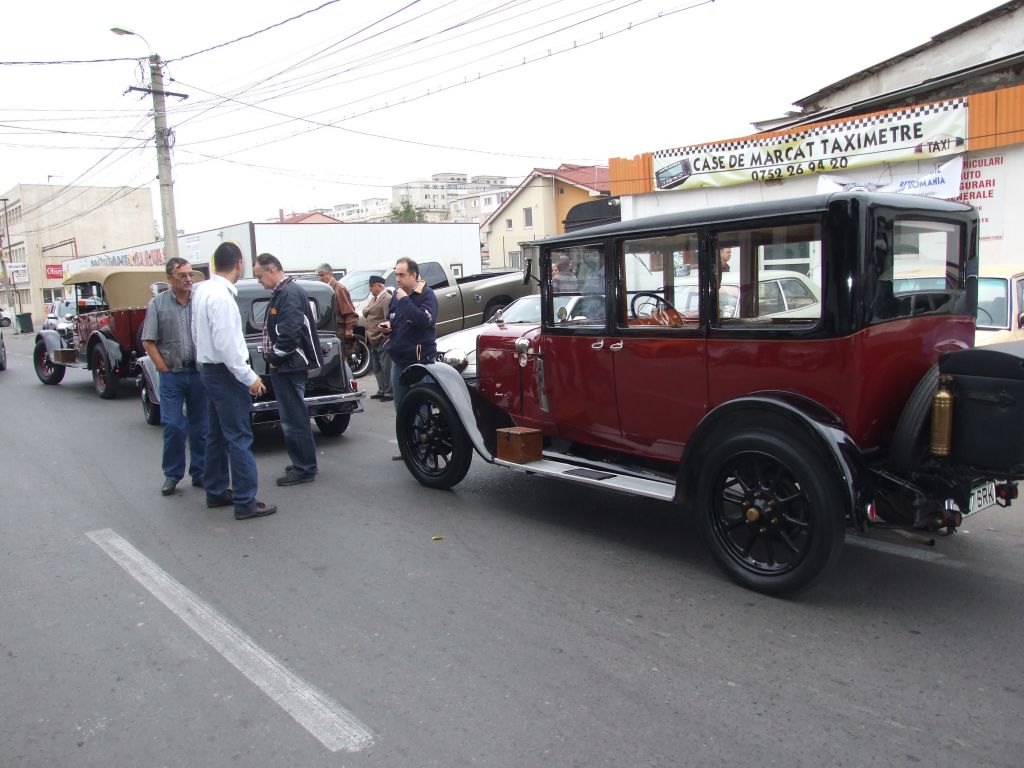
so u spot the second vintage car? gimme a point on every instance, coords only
(332, 395)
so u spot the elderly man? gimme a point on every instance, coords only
(230, 382)
(348, 318)
(291, 347)
(167, 339)
(375, 312)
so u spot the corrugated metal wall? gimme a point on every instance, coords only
(631, 177)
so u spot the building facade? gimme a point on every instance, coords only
(46, 225)
(371, 210)
(434, 196)
(944, 119)
(537, 208)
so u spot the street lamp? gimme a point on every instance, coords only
(163, 147)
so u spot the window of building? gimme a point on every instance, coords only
(51, 295)
(508, 224)
(528, 217)
(488, 200)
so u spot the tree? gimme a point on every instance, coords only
(406, 214)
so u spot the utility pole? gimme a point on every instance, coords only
(5, 256)
(163, 158)
(163, 143)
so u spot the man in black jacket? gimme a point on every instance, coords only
(291, 347)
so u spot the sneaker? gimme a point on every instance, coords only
(220, 501)
(259, 509)
(294, 478)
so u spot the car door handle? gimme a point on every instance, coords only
(616, 346)
(598, 344)
(450, 295)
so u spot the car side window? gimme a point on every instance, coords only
(433, 274)
(577, 287)
(770, 275)
(658, 282)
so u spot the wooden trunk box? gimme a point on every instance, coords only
(519, 444)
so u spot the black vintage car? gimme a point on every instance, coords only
(331, 392)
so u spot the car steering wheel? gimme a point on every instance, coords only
(663, 311)
(988, 314)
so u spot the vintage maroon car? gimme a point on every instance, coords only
(780, 421)
(103, 335)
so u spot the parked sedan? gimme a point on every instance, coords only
(454, 348)
(6, 317)
(1000, 307)
(3, 353)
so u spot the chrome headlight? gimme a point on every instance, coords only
(62, 326)
(456, 358)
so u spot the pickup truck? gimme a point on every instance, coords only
(462, 302)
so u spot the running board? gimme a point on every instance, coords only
(652, 489)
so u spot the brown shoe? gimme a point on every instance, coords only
(259, 509)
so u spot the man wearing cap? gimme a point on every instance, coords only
(167, 339)
(348, 318)
(375, 312)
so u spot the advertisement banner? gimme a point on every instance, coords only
(912, 133)
(943, 182)
(54, 271)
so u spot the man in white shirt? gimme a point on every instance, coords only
(230, 381)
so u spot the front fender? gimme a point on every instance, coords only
(151, 375)
(458, 393)
(117, 359)
(52, 339)
(806, 418)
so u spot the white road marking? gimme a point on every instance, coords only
(897, 549)
(329, 722)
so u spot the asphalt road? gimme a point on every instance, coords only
(514, 622)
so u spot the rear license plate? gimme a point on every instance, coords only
(981, 497)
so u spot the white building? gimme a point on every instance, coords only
(433, 196)
(45, 225)
(367, 211)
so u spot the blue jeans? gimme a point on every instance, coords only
(229, 440)
(398, 389)
(290, 391)
(380, 364)
(181, 392)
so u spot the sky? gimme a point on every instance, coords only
(350, 97)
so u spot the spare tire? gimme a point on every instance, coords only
(910, 439)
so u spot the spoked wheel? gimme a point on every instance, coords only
(332, 424)
(767, 512)
(103, 380)
(47, 371)
(358, 357)
(432, 440)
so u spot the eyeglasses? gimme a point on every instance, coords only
(182, 275)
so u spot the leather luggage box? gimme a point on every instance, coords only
(988, 407)
(520, 445)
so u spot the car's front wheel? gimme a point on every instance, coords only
(47, 371)
(333, 424)
(767, 511)
(358, 356)
(5, 322)
(103, 379)
(431, 438)
(150, 410)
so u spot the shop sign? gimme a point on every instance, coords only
(54, 271)
(914, 133)
(983, 185)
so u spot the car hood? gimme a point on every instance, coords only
(466, 338)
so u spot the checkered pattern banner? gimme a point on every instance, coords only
(914, 133)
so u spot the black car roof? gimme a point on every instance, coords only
(725, 214)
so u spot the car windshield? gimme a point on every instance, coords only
(358, 283)
(993, 302)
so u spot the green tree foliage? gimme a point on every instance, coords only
(406, 214)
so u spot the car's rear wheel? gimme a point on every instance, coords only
(103, 380)
(358, 357)
(150, 410)
(5, 322)
(3, 356)
(332, 424)
(47, 371)
(767, 512)
(432, 440)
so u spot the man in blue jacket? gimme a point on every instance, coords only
(411, 324)
(291, 347)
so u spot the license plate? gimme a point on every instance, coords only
(981, 497)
